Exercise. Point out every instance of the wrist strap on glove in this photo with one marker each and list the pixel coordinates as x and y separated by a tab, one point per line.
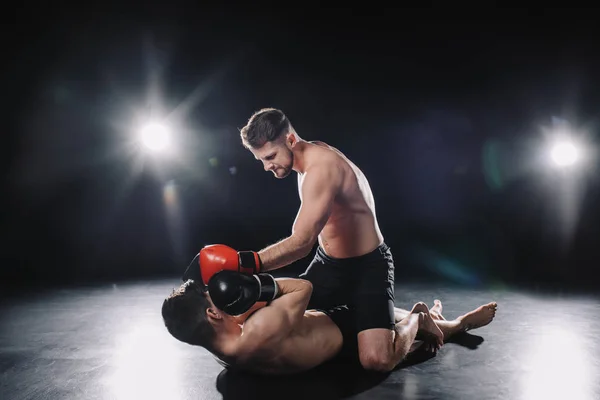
268	287
249	262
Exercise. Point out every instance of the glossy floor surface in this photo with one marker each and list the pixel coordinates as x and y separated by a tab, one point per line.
110	343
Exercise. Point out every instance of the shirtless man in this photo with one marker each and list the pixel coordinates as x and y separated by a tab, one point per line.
353	265
280	336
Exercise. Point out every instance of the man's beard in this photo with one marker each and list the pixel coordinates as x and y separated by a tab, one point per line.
287	169
286	172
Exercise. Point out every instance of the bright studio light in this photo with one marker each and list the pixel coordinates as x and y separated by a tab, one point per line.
564	154
155	137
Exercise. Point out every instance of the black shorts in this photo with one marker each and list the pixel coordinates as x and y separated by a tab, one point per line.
364	283
345	319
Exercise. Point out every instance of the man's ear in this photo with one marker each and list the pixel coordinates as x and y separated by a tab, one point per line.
213	313
291	139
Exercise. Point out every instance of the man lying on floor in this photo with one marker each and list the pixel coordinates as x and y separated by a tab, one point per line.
260	324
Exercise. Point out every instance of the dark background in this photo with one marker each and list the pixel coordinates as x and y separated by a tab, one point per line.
442	109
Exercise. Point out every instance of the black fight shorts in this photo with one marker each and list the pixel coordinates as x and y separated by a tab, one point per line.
345	319
364	283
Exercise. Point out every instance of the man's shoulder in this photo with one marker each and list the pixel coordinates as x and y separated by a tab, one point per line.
320	143
263	329
253	345
326	146
328	165
326	152
255	328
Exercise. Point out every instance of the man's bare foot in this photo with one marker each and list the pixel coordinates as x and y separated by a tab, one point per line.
436	311
420	307
430	331
432	335
479	317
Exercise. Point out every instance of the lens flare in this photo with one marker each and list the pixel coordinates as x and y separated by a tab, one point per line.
155	137
564	154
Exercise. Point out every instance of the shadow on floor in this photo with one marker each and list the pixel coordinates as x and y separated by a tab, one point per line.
466	340
333	380
330	381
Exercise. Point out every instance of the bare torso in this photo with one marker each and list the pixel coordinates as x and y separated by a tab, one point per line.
352	229
315	340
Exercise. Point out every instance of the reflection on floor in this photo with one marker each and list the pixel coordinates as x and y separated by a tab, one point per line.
109	343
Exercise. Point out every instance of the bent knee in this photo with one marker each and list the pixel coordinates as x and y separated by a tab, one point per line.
377	362
375	351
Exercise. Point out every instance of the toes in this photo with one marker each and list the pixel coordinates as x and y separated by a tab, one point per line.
432	348
428	347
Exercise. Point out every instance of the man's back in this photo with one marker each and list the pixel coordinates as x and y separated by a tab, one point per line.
352	229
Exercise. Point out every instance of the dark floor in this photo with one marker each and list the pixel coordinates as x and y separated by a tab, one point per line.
109	343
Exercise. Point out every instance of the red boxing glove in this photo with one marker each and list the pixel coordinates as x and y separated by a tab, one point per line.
217	257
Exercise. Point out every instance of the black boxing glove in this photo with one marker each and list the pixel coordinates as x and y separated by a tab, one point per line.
235	292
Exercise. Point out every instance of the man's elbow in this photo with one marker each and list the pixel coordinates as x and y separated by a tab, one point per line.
305	244
306	294
307	249
309	286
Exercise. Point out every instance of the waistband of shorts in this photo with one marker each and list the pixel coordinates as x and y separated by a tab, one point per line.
374	255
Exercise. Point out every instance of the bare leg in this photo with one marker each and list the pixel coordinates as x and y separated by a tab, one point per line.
431	338
383	349
400	314
481	316
477	318
435	312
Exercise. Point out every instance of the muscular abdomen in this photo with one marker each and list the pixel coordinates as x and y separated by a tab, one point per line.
352	229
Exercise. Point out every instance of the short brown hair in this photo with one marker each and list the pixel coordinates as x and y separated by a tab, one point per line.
264	126
184	315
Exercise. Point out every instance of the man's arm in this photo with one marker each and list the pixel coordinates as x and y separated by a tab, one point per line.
320	186
275	321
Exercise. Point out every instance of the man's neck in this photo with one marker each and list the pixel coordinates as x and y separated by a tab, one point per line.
226	341
300	157
229	333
